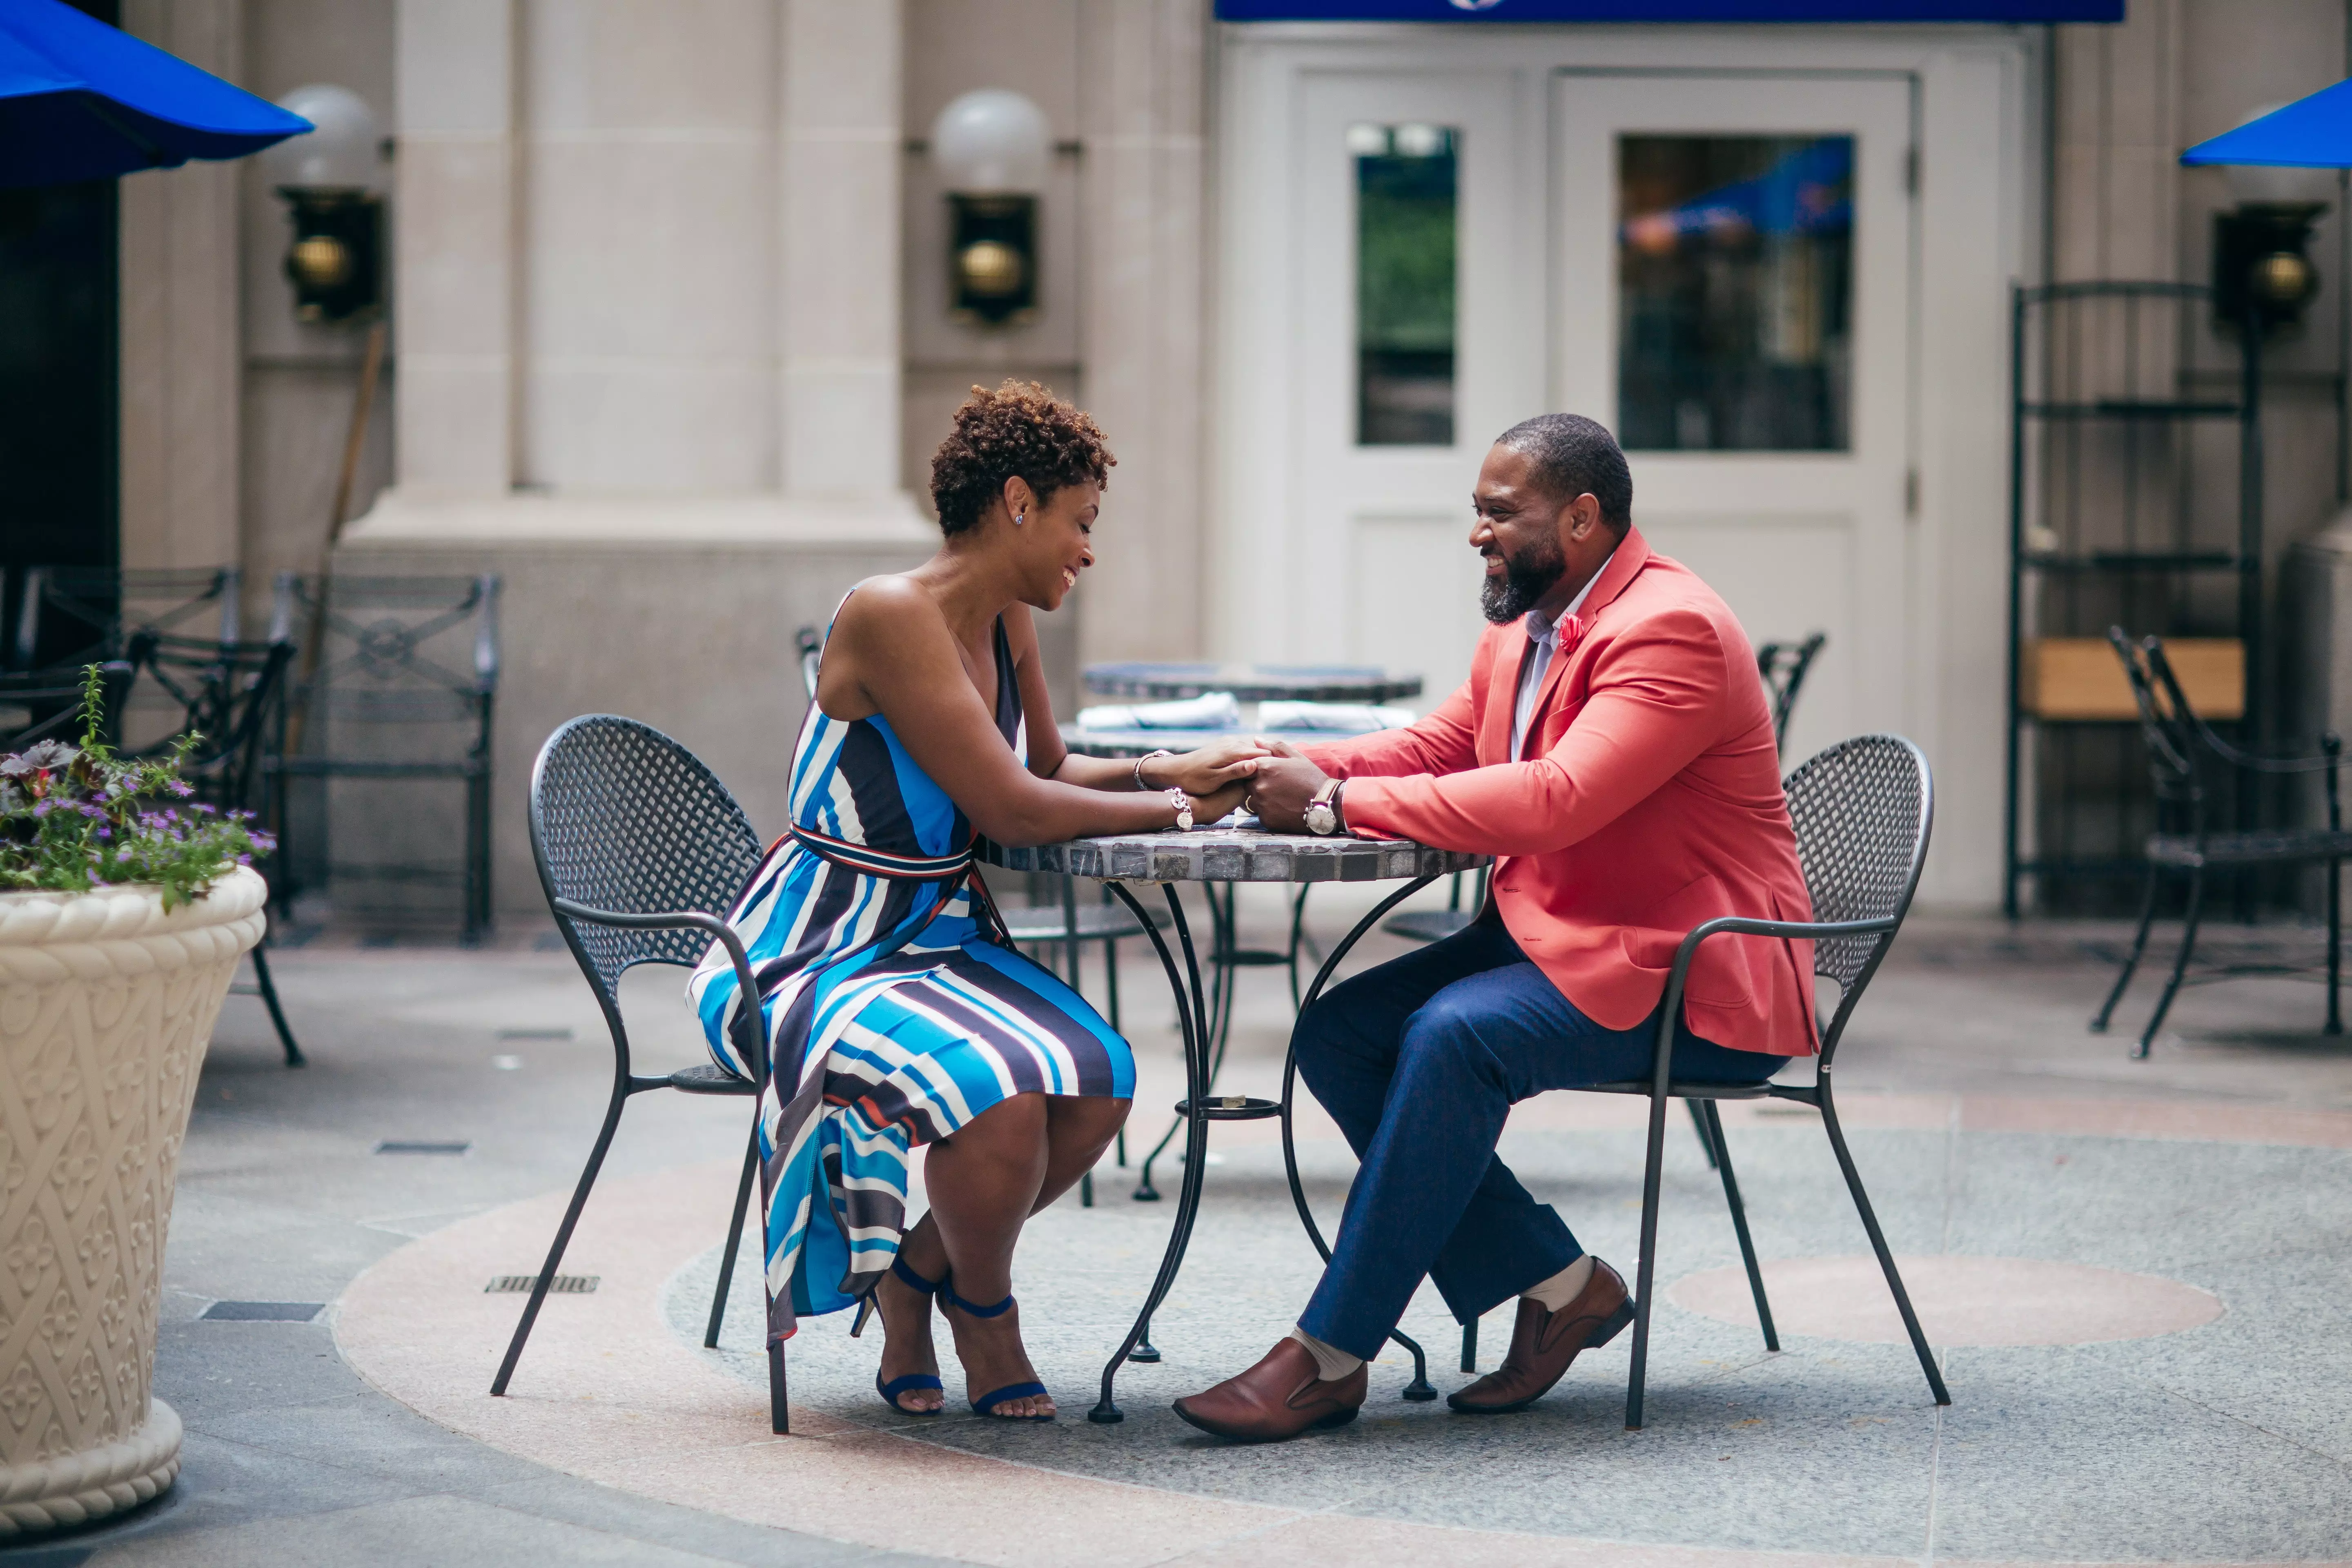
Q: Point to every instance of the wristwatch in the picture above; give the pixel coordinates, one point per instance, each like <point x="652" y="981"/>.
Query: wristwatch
<point x="1323" y="811"/>
<point x="1183" y="805"/>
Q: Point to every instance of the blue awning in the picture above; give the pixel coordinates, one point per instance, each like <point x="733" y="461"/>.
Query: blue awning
<point x="81" y="100"/>
<point x="1670" y="11"/>
<point x="2312" y="132"/>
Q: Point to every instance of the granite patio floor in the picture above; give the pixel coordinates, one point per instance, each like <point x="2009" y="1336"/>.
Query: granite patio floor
<point x="2210" y="1184"/>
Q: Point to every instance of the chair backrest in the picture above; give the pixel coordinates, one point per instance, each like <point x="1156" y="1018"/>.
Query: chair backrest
<point x="73" y="615"/>
<point x="2167" y="723"/>
<point x="1863" y="811"/>
<point x="1783" y="667"/>
<point x="232" y="695"/>
<point x="397" y="650"/>
<point x="625" y="819"/>
<point x="43" y="706"/>
<point x="811" y="651"/>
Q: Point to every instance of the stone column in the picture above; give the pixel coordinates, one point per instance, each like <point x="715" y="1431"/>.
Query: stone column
<point x="1141" y="104"/>
<point x="179" y="323"/>
<point x="454" y="245"/>
<point x="839" y="324"/>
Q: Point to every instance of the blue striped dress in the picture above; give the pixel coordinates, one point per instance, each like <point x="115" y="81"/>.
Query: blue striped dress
<point x="894" y="1010"/>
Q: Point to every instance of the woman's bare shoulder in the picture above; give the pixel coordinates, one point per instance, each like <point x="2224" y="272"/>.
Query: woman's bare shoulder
<point x="889" y="605"/>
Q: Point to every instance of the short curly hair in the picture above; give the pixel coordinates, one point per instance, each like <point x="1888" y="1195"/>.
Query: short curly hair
<point x="1022" y="429"/>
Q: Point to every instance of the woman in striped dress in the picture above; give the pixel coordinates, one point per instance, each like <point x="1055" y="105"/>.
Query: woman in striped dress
<point x="892" y="1008"/>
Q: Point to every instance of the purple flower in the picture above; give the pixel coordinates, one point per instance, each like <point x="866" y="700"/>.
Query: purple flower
<point x="180" y="788"/>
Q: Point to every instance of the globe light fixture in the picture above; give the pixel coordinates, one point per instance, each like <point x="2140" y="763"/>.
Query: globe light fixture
<point x="991" y="148"/>
<point x="2261" y="273"/>
<point x="332" y="180"/>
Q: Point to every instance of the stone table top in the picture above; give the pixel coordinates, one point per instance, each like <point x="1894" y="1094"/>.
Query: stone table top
<point x="1233" y="855"/>
<point x="1142" y="743"/>
<point x="1252" y="682"/>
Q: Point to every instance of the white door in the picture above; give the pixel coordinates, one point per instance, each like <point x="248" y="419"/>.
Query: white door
<point x="1731" y="275"/>
<point x="1415" y="344"/>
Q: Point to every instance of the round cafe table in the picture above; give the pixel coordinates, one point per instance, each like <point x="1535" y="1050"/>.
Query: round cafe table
<point x="1162" y="681"/>
<point x="1126" y="862"/>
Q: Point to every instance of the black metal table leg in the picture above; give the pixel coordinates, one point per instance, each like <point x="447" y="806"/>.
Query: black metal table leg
<point x="1420" y="1389"/>
<point x="1194" y="1017"/>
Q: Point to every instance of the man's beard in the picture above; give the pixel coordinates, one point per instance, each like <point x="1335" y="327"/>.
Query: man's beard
<point x="1523" y="583"/>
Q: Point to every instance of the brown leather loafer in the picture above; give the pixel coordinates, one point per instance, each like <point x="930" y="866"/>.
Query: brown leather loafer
<point x="1280" y="1397"/>
<point x="1544" y="1343"/>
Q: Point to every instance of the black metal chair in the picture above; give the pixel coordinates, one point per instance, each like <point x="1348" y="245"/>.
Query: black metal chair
<point x="67" y="617"/>
<point x="45" y="704"/>
<point x="642" y="852"/>
<point x="1783" y="667"/>
<point x="1863" y="811"/>
<point x="2182" y="754"/>
<point x="233" y="695"/>
<point x="405" y="652"/>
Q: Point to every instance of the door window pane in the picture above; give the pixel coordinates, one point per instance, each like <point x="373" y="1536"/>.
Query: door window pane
<point x="1734" y="286"/>
<point x="1405" y="266"/>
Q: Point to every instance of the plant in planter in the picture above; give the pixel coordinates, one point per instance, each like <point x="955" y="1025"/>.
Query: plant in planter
<point x="124" y="908"/>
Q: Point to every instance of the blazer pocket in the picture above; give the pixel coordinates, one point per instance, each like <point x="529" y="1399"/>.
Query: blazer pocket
<point x="1719" y="972"/>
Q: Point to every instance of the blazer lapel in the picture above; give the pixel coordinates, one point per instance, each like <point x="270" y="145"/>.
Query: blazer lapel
<point x="1493" y="740"/>
<point x="1632" y="553"/>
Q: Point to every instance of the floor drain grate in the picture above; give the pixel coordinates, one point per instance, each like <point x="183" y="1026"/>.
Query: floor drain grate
<point x="562" y="1285"/>
<point x="416" y="1146"/>
<point x="262" y="1311"/>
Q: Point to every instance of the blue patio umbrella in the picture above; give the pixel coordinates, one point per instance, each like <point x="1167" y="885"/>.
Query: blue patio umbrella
<point x="2312" y="132"/>
<point x="81" y="100"/>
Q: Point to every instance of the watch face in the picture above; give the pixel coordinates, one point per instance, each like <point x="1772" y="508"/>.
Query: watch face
<point x="1320" y="818"/>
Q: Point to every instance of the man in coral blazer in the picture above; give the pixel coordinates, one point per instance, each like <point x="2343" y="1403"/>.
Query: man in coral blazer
<point x="1613" y="750"/>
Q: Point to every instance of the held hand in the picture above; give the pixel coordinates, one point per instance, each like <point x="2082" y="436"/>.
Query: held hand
<point x="1218" y="804"/>
<point x="1209" y="769"/>
<point x="1284" y="783"/>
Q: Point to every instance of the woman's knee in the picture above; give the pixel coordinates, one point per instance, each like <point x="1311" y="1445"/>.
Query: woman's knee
<point x="1015" y="1118"/>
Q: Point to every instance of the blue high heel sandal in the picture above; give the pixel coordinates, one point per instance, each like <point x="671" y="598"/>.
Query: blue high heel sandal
<point x="914" y="1380"/>
<point x="987" y="1402"/>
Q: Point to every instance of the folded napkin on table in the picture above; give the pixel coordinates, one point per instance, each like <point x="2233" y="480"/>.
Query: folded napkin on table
<point x="1331" y="718"/>
<point x="1209" y="711"/>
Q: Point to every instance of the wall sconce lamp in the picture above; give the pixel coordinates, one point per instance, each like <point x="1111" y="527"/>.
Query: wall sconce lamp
<point x="991" y="148"/>
<point x="2259" y="266"/>
<point x="329" y="180"/>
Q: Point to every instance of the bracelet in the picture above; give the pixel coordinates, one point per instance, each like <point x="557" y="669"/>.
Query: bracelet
<point x="1183" y="805"/>
<point x="1162" y="752"/>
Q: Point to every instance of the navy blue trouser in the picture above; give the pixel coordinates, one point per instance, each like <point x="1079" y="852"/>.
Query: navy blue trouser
<point x="1419" y="1061"/>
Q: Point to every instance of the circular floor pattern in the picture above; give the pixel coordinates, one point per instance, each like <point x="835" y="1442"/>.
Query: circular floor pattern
<point x="1828" y="1452"/>
<point x="1960" y="1300"/>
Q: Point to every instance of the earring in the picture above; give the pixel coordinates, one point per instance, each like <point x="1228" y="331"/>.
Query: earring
<point x="1019" y="518"/>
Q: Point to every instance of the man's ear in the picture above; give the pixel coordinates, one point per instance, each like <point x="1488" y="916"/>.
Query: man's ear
<point x="1584" y="516"/>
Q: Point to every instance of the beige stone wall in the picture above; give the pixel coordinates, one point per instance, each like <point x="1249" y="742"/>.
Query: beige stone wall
<point x="179" y="322"/>
<point x="300" y="381"/>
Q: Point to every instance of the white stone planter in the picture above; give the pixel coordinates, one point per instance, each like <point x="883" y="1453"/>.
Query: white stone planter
<point x="106" y="1006"/>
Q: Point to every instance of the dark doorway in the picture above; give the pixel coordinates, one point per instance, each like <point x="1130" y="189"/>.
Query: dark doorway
<point x="60" y="300"/>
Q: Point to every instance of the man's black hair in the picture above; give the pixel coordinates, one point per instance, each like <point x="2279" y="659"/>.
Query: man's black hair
<point x="1573" y="454"/>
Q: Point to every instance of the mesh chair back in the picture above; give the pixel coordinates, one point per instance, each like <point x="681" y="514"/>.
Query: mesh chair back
<point x="1862" y="810"/>
<point x="625" y="819"/>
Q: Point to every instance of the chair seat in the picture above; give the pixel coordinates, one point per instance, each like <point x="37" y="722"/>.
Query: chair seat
<point x="710" y="1078"/>
<point x="2276" y="845"/>
<point x="1097" y="922"/>
<point x="1428" y="925"/>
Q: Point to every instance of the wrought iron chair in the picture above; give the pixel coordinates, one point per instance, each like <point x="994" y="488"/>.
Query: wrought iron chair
<point x="1783" y="667"/>
<point x="642" y="852"/>
<point x="1862" y="810"/>
<point x="2183" y="753"/>
<point x="406" y="652"/>
<point x="233" y="694"/>
<point x="67" y="617"/>
<point x="45" y="704"/>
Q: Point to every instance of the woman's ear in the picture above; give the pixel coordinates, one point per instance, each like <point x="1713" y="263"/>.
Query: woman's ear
<point x="1019" y="499"/>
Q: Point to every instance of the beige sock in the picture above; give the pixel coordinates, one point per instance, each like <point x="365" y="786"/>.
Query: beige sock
<point x="1563" y="1287"/>
<point x="1332" y="1363"/>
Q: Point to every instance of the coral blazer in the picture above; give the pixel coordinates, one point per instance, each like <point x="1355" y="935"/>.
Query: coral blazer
<point x="1647" y="801"/>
